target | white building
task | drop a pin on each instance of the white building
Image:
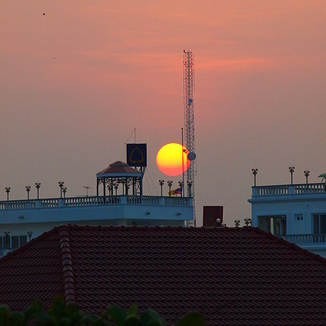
(121, 202)
(296, 212)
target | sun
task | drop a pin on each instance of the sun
(169, 159)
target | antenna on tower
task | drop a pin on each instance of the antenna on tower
(188, 93)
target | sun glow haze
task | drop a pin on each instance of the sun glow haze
(169, 159)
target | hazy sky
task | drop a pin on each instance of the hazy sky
(75, 82)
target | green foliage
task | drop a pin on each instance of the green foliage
(60, 314)
(192, 319)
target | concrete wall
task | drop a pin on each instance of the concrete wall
(290, 209)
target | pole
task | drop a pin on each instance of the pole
(183, 170)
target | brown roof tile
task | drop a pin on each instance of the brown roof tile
(235, 276)
(118, 167)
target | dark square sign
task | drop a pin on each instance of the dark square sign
(137, 154)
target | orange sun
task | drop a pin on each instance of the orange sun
(169, 159)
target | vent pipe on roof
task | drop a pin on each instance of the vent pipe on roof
(212, 216)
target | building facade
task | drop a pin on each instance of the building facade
(295, 212)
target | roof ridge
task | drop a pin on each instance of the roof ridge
(146, 227)
(67, 268)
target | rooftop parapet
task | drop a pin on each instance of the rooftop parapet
(295, 189)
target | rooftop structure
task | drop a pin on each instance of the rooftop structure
(119, 201)
(296, 212)
(243, 276)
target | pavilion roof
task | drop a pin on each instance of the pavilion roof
(118, 169)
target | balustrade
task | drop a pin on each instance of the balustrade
(305, 239)
(281, 190)
(94, 201)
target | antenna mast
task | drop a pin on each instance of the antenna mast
(188, 90)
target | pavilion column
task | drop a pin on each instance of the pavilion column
(133, 186)
(141, 186)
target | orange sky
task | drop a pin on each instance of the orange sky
(75, 82)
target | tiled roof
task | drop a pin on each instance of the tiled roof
(118, 167)
(233, 276)
(32, 272)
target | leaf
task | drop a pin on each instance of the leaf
(30, 312)
(152, 318)
(89, 320)
(43, 319)
(117, 314)
(57, 310)
(133, 310)
(192, 319)
(4, 315)
(72, 308)
(75, 318)
(133, 320)
(17, 319)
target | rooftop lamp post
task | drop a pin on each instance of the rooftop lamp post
(64, 190)
(170, 185)
(38, 186)
(306, 173)
(28, 189)
(254, 172)
(29, 234)
(7, 191)
(161, 182)
(61, 183)
(291, 170)
(247, 221)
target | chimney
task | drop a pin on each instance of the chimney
(212, 216)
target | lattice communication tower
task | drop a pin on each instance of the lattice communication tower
(188, 92)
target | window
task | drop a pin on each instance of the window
(299, 217)
(319, 221)
(6, 241)
(279, 225)
(22, 240)
(14, 241)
